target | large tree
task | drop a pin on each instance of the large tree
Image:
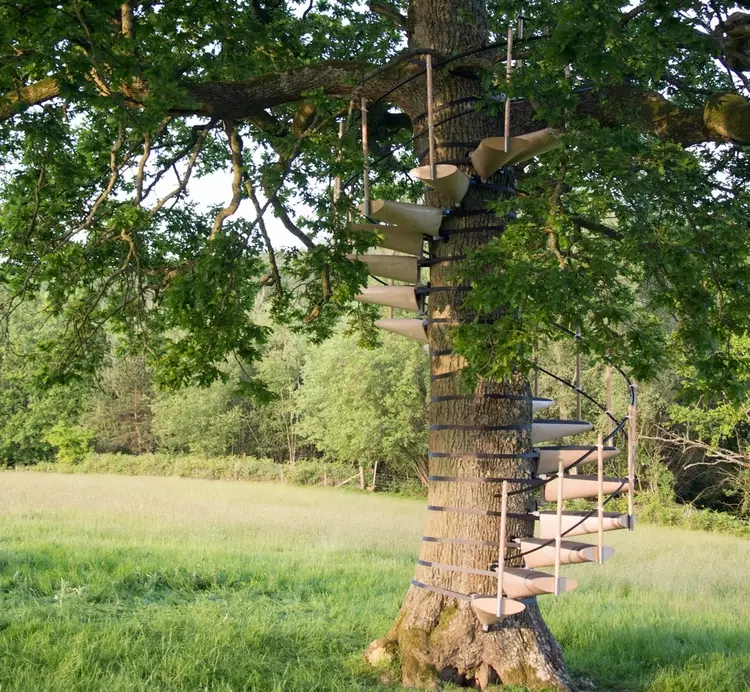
(111, 112)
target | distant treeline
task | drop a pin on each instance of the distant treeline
(345, 405)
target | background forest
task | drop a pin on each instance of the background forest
(336, 406)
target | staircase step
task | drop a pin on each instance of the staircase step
(490, 156)
(408, 327)
(543, 430)
(549, 457)
(422, 219)
(485, 608)
(398, 267)
(572, 552)
(539, 403)
(399, 238)
(581, 486)
(448, 180)
(519, 582)
(548, 523)
(402, 297)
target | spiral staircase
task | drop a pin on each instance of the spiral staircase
(404, 228)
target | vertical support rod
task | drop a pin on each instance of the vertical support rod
(508, 68)
(608, 387)
(536, 369)
(519, 62)
(430, 117)
(631, 457)
(366, 156)
(343, 127)
(558, 532)
(501, 558)
(337, 179)
(578, 374)
(600, 505)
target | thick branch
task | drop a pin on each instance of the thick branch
(724, 118)
(235, 146)
(596, 227)
(240, 99)
(388, 11)
(24, 97)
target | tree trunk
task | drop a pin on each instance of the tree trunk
(437, 636)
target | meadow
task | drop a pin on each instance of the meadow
(142, 583)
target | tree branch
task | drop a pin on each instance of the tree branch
(725, 117)
(282, 214)
(596, 227)
(235, 146)
(263, 231)
(182, 184)
(25, 97)
(388, 11)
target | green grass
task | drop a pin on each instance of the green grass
(130, 583)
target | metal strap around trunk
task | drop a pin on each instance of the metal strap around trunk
(431, 261)
(446, 232)
(478, 397)
(449, 104)
(441, 592)
(483, 479)
(463, 161)
(487, 428)
(455, 568)
(441, 352)
(482, 455)
(441, 289)
(460, 212)
(444, 375)
(466, 541)
(456, 323)
(493, 186)
(481, 512)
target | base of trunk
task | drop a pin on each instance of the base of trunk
(437, 639)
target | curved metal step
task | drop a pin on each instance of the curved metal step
(486, 609)
(573, 526)
(519, 582)
(580, 486)
(398, 267)
(490, 156)
(448, 180)
(417, 216)
(544, 430)
(398, 238)
(408, 327)
(402, 297)
(572, 552)
(550, 457)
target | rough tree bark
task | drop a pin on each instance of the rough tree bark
(434, 636)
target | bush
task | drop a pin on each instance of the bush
(73, 442)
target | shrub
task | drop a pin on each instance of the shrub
(73, 442)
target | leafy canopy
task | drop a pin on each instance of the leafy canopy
(112, 112)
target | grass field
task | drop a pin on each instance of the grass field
(128, 583)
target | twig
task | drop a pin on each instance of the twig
(262, 226)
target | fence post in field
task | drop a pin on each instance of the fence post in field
(374, 476)
(361, 478)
